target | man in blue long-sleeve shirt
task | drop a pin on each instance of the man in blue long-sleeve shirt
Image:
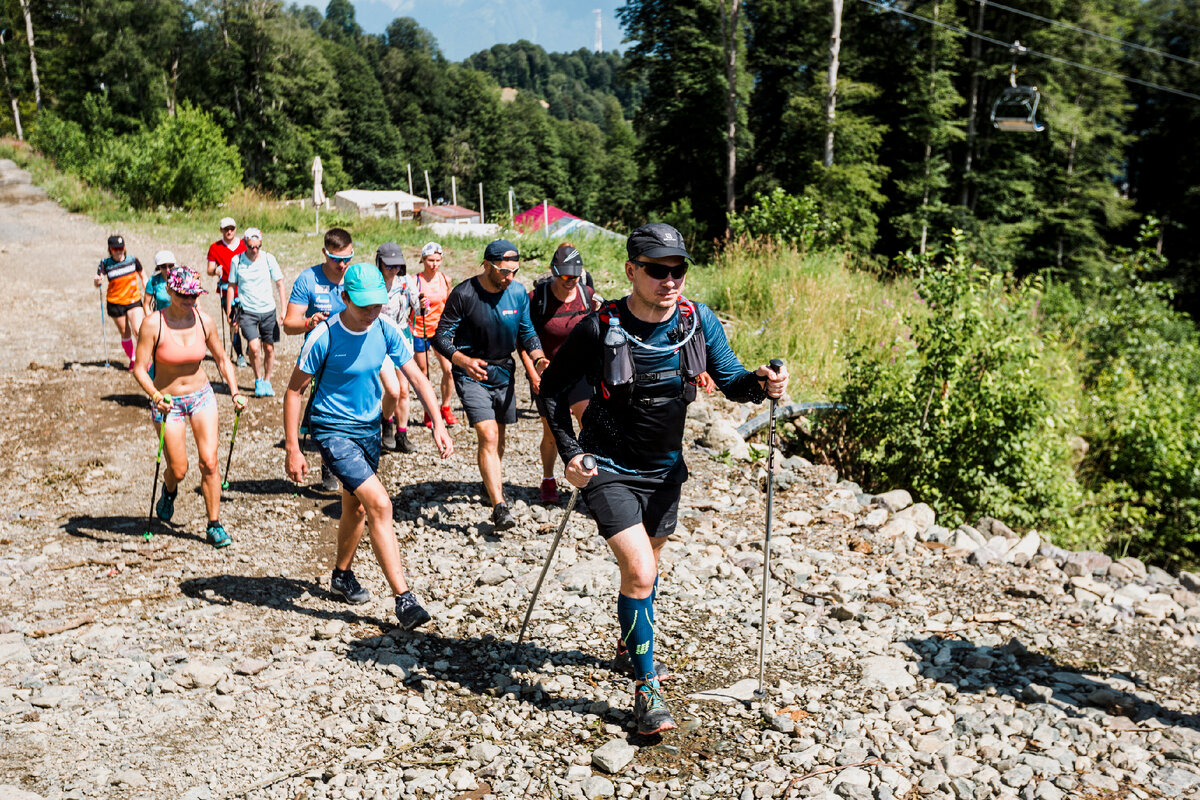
(643, 355)
(485, 319)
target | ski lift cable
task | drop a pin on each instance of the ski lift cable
(1097, 34)
(1030, 52)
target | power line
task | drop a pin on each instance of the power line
(1039, 54)
(1097, 34)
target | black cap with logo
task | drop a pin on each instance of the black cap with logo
(656, 240)
(567, 261)
(116, 242)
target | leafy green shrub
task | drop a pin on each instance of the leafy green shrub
(786, 218)
(970, 408)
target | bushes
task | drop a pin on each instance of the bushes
(786, 219)
(184, 161)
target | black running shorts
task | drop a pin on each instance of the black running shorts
(621, 501)
(116, 310)
(486, 402)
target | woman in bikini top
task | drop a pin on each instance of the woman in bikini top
(175, 340)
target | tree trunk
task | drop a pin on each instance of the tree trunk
(37, 84)
(730, 18)
(835, 47)
(972, 108)
(12, 98)
(929, 135)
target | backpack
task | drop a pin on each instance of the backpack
(621, 380)
(539, 309)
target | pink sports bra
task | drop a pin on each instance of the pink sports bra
(170, 351)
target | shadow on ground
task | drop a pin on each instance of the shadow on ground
(1031, 677)
(123, 526)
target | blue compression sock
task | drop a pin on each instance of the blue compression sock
(636, 617)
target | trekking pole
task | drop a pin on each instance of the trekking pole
(424, 330)
(588, 463)
(760, 693)
(237, 414)
(103, 330)
(162, 429)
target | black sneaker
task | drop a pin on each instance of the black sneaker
(344, 583)
(166, 504)
(329, 481)
(389, 435)
(502, 518)
(622, 664)
(409, 612)
(650, 710)
(403, 445)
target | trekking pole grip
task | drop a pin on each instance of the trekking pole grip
(588, 462)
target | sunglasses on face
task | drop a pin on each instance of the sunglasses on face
(392, 266)
(227, 230)
(659, 272)
(165, 266)
(339, 259)
(253, 246)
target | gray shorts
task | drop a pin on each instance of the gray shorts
(486, 402)
(263, 326)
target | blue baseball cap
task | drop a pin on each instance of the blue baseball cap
(364, 285)
(496, 250)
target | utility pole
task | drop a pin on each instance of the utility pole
(599, 43)
(835, 47)
(12, 98)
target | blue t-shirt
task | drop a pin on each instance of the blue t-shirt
(349, 389)
(256, 281)
(317, 293)
(157, 287)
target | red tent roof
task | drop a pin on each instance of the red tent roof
(534, 218)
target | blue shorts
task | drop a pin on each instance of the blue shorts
(421, 344)
(352, 460)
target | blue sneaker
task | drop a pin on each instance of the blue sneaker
(242, 361)
(268, 389)
(166, 504)
(259, 391)
(217, 536)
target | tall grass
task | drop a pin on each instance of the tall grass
(804, 308)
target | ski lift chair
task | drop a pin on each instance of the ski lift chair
(1015, 110)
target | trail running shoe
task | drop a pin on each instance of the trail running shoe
(428, 420)
(549, 490)
(242, 361)
(502, 518)
(389, 435)
(448, 416)
(409, 612)
(403, 445)
(650, 710)
(622, 664)
(329, 481)
(345, 584)
(166, 504)
(217, 536)
(268, 389)
(259, 390)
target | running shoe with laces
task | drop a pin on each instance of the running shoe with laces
(345, 584)
(268, 389)
(242, 361)
(502, 517)
(166, 504)
(650, 710)
(217, 536)
(403, 445)
(549, 490)
(409, 612)
(622, 664)
(259, 389)
(448, 416)
(389, 435)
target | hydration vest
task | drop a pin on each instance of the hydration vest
(623, 383)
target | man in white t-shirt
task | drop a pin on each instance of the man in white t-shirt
(261, 319)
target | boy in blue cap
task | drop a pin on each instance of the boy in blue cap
(345, 354)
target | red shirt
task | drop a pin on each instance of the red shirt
(220, 253)
(561, 318)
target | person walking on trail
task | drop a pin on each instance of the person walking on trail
(175, 340)
(643, 355)
(157, 296)
(220, 259)
(556, 305)
(258, 281)
(433, 287)
(402, 297)
(345, 355)
(123, 299)
(485, 319)
(316, 296)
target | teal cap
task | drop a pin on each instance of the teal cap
(364, 284)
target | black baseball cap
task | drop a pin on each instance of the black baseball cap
(567, 261)
(656, 240)
(390, 254)
(116, 242)
(496, 250)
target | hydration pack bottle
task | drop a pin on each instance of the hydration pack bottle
(618, 362)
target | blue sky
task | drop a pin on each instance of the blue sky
(463, 27)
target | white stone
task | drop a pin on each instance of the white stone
(1025, 549)
(613, 756)
(888, 672)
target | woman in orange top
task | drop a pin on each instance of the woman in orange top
(124, 298)
(433, 287)
(176, 340)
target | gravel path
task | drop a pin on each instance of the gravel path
(899, 667)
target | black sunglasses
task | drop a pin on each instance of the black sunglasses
(659, 272)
